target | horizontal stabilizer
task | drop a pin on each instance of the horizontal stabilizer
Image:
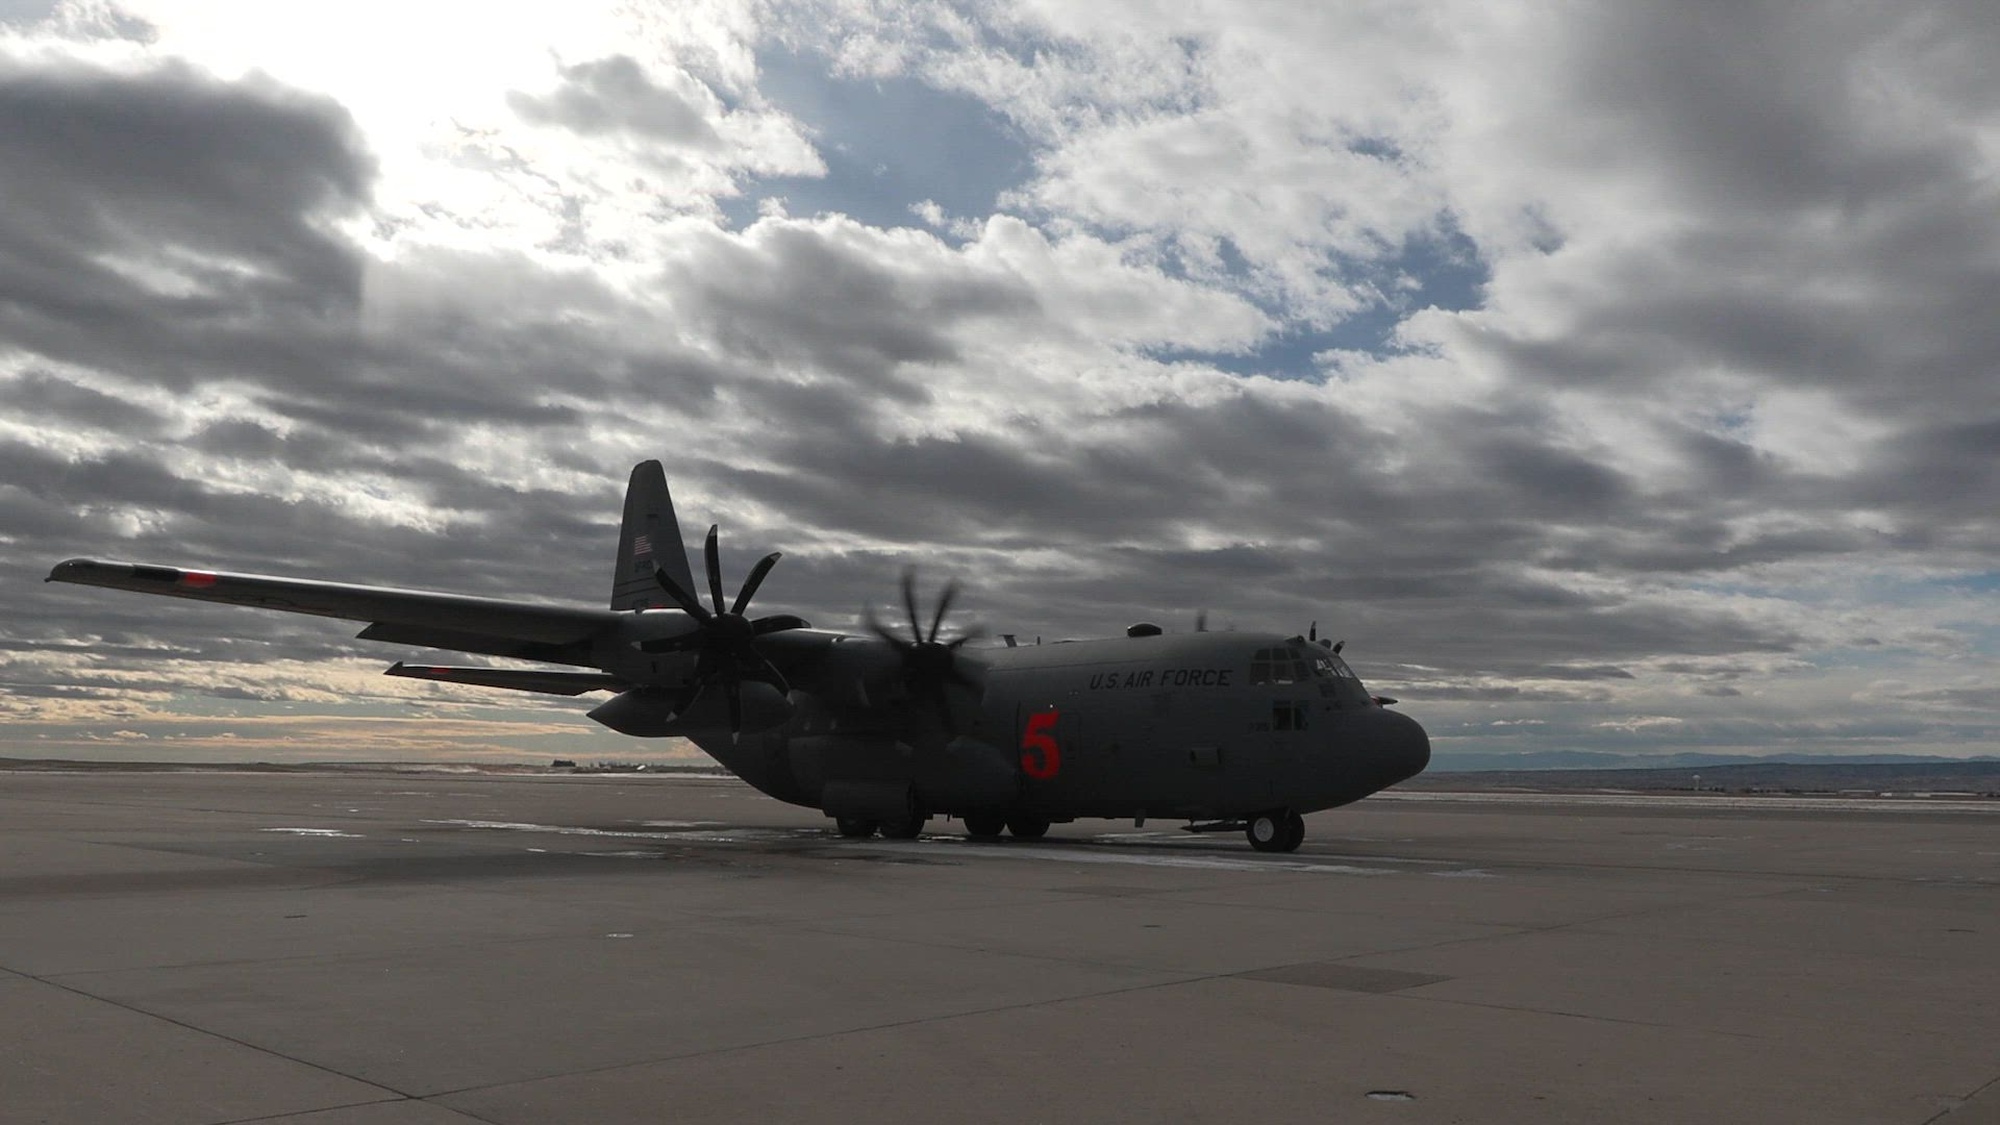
(513, 679)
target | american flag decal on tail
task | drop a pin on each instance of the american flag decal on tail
(642, 545)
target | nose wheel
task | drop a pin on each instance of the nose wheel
(1280, 830)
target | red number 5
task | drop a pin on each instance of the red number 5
(1041, 758)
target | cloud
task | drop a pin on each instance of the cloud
(168, 214)
(1584, 368)
(615, 95)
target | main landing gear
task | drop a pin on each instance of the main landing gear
(988, 826)
(858, 828)
(984, 826)
(979, 826)
(1280, 830)
(1027, 827)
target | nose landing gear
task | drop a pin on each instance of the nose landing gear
(1280, 830)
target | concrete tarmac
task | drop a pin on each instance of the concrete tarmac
(424, 948)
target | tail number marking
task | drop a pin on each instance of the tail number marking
(1041, 758)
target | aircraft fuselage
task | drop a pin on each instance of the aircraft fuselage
(1182, 725)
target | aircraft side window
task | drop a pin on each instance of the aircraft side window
(1288, 714)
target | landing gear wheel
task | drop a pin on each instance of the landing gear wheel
(981, 826)
(1295, 832)
(1280, 830)
(853, 827)
(908, 828)
(1027, 828)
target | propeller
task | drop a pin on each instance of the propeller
(929, 665)
(724, 639)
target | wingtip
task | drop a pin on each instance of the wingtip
(67, 569)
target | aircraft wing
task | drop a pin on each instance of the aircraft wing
(513, 679)
(493, 626)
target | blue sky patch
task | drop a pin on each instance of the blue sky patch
(1449, 274)
(888, 144)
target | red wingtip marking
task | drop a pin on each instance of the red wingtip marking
(197, 578)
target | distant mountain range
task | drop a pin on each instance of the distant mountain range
(1874, 775)
(1473, 762)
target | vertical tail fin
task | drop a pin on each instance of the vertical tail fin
(649, 535)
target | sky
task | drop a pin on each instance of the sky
(1615, 375)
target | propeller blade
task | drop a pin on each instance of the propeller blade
(929, 666)
(910, 603)
(869, 621)
(705, 667)
(1201, 621)
(768, 672)
(724, 642)
(712, 555)
(687, 702)
(944, 604)
(681, 597)
(1312, 634)
(755, 580)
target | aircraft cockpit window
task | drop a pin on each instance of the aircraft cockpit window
(1278, 666)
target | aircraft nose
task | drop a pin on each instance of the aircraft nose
(1410, 746)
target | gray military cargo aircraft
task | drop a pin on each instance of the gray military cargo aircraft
(883, 730)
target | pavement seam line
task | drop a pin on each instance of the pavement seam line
(166, 1019)
(808, 1038)
(351, 1105)
(1967, 1100)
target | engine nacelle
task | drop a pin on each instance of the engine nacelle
(648, 712)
